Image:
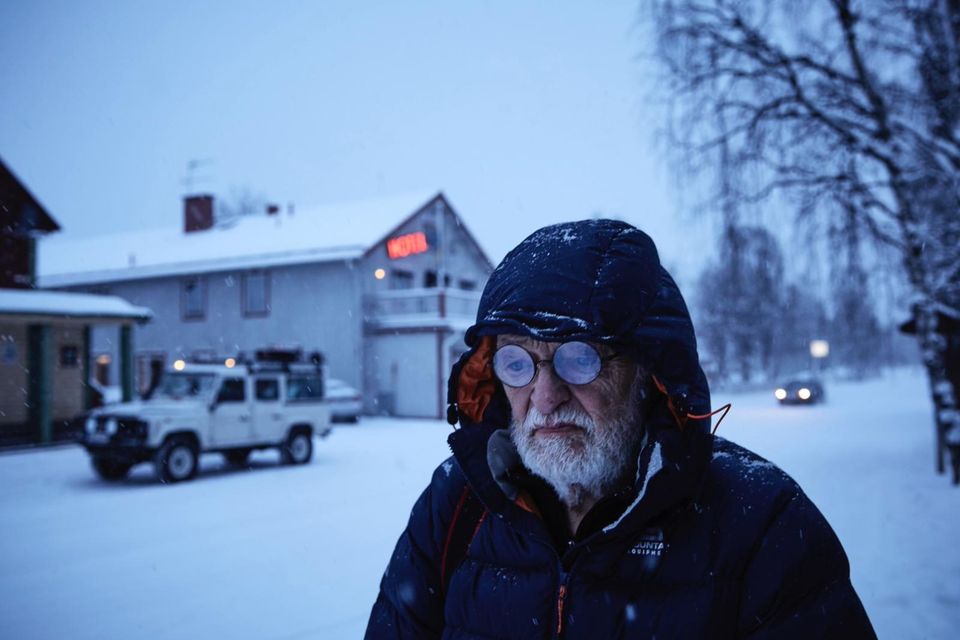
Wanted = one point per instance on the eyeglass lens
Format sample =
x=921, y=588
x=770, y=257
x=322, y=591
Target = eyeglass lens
x=573, y=362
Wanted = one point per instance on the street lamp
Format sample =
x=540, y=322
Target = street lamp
x=819, y=349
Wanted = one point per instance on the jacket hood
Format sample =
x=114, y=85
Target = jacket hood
x=596, y=280
x=599, y=281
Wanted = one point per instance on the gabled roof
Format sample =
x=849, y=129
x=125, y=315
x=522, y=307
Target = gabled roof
x=20, y=212
x=463, y=227
x=68, y=305
x=309, y=235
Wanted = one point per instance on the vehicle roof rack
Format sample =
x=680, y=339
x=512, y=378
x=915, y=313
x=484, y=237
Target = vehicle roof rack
x=276, y=354
x=284, y=360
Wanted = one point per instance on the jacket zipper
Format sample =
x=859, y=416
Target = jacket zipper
x=561, y=596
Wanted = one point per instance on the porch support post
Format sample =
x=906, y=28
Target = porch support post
x=39, y=367
x=126, y=361
x=86, y=389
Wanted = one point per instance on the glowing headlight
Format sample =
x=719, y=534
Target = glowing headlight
x=111, y=426
x=90, y=425
x=781, y=394
x=804, y=393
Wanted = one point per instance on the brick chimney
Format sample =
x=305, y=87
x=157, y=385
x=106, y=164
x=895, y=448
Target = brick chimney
x=197, y=213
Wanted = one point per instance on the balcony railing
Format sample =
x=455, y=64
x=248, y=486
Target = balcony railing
x=426, y=304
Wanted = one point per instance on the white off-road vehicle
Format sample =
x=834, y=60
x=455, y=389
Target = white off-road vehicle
x=201, y=408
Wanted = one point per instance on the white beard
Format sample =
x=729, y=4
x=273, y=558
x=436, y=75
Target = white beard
x=580, y=466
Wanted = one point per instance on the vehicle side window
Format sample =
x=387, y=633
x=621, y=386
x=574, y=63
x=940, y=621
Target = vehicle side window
x=268, y=389
x=231, y=390
x=301, y=388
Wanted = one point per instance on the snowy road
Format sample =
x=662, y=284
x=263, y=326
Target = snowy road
x=288, y=553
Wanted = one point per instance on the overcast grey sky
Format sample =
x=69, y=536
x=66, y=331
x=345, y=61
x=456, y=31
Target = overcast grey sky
x=523, y=113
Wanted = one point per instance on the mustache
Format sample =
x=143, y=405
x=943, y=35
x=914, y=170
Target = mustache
x=565, y=415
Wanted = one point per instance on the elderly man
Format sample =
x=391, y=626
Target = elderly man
x=586, y=497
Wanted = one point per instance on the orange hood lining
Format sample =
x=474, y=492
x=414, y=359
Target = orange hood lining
x=477, y=384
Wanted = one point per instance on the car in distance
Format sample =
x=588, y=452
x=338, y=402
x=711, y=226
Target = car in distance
x=343, y=400
x=800, y=391
x=230, y=408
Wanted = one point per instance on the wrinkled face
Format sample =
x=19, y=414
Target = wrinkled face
x=580, y=438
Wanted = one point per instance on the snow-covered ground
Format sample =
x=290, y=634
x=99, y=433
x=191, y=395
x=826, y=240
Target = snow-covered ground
x=285, y=553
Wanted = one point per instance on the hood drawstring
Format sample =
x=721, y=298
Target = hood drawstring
x=680, y=408
x=725, y=408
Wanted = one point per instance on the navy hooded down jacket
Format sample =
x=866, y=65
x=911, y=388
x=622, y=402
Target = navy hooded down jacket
x=710, y=541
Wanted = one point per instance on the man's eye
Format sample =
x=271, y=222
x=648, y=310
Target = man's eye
x=516, y=366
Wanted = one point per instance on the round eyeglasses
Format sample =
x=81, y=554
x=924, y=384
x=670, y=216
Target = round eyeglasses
x=573, y=362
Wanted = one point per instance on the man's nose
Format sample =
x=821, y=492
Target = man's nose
x=549, y=391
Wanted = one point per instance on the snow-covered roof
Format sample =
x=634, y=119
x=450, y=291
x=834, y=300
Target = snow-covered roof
x=28, y=302
x=315, y=234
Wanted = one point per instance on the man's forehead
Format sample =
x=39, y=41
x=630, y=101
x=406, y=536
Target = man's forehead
x=522, y=340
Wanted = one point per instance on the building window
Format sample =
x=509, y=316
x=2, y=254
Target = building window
x=430, y=279
x=400, y=279
x=69, y=356
x=101, y=370
x=193, y=299
x=8, y=352
x=468, y=285
x=256, y=294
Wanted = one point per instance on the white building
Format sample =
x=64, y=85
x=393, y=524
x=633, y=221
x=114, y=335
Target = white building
x=384, y=289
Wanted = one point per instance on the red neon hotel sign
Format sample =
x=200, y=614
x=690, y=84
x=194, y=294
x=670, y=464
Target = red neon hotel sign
x=407, y=245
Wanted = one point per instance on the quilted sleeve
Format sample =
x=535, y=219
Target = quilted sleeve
x=797, y=584
x=410, y=602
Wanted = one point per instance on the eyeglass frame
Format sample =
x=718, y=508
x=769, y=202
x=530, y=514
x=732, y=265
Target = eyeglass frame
x=536, y=364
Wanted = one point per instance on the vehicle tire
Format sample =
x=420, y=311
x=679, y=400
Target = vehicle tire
x=297, y=448
x=111, y=470
x=176, y=460
x=237, y=457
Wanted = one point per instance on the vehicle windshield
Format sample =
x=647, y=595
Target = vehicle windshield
x=178, y=386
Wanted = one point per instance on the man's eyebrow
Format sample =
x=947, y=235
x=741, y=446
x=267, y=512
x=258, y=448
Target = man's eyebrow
x=605, y=350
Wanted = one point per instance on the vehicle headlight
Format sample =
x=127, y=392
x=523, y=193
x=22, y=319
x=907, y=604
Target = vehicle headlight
x=111, y=426
x=804, y=393
x=781, y=394
x=90, y=425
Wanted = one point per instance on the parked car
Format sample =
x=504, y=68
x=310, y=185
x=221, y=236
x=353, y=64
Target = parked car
x=343, y=400
x=800, y=391
x=199, y=408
